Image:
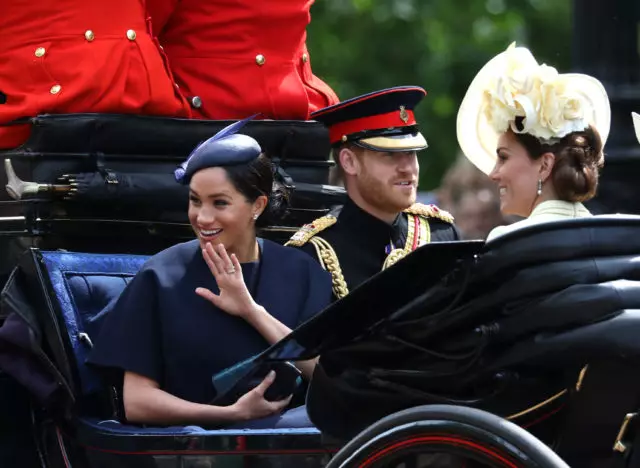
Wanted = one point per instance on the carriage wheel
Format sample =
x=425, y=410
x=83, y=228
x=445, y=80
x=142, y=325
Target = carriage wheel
x=460, y=436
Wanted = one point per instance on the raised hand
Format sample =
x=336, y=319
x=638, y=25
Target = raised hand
x=234, y=297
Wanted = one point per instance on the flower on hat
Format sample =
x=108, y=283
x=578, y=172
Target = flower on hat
x=523, y=88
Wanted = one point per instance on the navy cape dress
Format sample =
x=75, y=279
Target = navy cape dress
x=160, y=328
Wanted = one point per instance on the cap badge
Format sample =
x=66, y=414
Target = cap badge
x=404, y=116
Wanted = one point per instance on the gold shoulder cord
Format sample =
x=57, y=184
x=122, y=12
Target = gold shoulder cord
x=326, y=255
x=398, y=254
x=424, y=237
x=425, y=232
x=430, y=211
x=329, y=261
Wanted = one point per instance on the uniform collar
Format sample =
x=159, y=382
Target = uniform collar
x=366, y=226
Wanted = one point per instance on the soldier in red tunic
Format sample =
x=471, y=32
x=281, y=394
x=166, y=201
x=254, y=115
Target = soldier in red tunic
x=236, y=58
x=73, y=56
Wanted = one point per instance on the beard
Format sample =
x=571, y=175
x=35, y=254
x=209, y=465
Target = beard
x=383, y=195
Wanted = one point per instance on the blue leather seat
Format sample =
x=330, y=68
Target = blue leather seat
x=82, y=285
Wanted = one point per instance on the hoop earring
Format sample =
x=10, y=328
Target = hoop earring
x=539, y=187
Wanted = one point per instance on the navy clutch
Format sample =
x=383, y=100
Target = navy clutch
x=234, y=382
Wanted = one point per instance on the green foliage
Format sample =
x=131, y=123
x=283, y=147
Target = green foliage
x=359, y=46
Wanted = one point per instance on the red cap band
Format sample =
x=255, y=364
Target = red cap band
x=395, y=119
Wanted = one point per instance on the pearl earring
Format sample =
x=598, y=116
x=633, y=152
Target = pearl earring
x=255, y=216
x=539, y=187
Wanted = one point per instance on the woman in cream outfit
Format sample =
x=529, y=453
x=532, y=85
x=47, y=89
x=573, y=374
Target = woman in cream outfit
x=539, y=135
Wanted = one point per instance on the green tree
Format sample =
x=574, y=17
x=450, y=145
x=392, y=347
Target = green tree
x=359, y=46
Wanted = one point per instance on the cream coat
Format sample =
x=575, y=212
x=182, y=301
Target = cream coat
x=551, y=210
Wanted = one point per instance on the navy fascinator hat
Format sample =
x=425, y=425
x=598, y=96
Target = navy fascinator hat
x=225, y=148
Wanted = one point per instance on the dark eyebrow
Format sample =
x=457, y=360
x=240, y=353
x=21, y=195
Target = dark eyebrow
x=213, y=195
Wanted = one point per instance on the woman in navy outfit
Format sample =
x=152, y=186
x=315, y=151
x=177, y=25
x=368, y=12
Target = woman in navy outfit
x=205, y=305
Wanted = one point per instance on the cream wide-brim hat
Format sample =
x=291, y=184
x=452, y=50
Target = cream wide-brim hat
x=636, y=124
x=478, y=139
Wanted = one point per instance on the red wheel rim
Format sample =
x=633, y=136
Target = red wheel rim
x=446, y=440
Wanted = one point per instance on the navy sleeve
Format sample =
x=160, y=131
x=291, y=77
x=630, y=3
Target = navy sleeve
x=130, y=338
x=318, y=292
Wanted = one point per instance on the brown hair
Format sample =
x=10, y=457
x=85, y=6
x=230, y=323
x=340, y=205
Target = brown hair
x=578, y=160
x=338, y=176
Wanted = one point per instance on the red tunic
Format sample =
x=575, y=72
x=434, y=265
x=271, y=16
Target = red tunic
x=73, y=56
x=233, y=58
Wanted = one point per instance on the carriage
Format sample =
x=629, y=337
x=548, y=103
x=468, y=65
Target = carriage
x=457, y=352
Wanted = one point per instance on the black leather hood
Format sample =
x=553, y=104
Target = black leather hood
x=506, y=329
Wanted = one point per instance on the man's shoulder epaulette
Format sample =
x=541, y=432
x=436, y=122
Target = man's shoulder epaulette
x=306, y=232
x=429, y=211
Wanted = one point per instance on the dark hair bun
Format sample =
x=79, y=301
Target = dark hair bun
x=259, y=178
x=276, y=209
x=576, y=170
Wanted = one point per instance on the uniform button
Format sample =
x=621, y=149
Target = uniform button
x=305, y=58
x=40, y=51
x=196, y=102
x=260, y=59
x=89, y=36
x=131, y=35
x=55, y=89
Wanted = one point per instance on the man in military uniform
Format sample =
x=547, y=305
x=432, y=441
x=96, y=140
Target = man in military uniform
x=375, y=139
